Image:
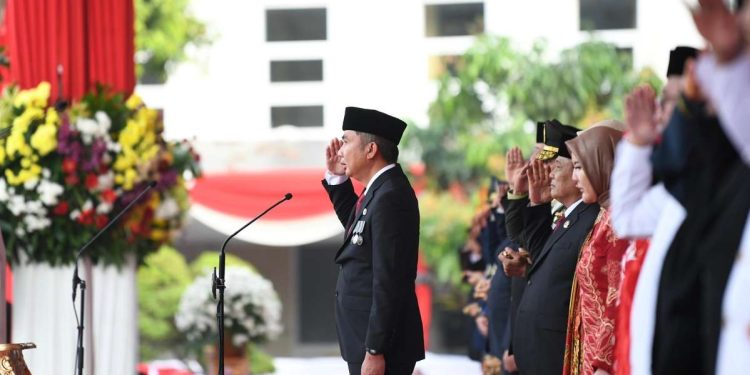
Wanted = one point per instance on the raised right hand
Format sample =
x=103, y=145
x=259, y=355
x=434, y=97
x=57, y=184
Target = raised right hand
x=539, y=182
x=333, y=161
x=640, y=121
x=515, y=170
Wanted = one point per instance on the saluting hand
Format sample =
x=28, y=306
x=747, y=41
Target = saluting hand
x=640, y=116
x=539, y=182
x=720, y=27
x=333, y=161
x=515, y=170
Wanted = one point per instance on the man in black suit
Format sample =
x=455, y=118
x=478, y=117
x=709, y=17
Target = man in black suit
x=377, y=317
x=541, y=320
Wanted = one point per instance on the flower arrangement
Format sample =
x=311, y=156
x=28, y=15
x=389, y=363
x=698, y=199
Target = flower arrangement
x=252, y=310
x=67, y=172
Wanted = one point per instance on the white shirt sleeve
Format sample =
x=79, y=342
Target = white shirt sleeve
x=728, y=86
x=635, y=205
x=334, y=179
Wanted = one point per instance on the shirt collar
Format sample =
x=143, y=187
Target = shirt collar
x=377, y=174
x=572, y=207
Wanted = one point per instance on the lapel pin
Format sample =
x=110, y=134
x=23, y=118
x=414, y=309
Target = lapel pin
x=364, y=212
x=566, y=224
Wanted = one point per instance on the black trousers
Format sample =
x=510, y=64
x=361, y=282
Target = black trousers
x=390, y=369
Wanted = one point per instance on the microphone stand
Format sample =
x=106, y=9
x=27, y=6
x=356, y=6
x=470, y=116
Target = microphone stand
x=77, y=281
x=218, y=282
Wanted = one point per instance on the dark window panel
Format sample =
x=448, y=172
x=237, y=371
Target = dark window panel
x=454, y=19
x=316, y=277
x=296, y=70
x=607, y=14
x=301, y=116
x=296, y=24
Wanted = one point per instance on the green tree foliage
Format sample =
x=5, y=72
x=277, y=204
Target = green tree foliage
x=163, y=29
x=489, y=103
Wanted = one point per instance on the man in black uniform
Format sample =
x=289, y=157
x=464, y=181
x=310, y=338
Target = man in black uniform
x=541, y=320
x=377, y=317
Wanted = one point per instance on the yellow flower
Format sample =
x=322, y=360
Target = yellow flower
x=133, y=102
x=44, y=139
x=36, y=97
x=33, y=172
x=158, y=235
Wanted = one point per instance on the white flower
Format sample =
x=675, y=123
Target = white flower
x=167, y=209
x=251, y=307
x=87, y=205
x=16, y=205
x=34, y=223
x=75, y=214
x=88, y=128
x=4, y=194
x=104, y=122
x=106, y=181
x=103, y=208
x=49, y=192
x=30, y=184
x=20, y=232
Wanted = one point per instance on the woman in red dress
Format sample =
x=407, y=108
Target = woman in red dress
x=590, y=339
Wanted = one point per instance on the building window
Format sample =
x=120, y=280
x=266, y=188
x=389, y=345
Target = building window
x=439, y=65
x=300, y=116
x=454, y=19
x=296, y=70
x=607, y=14
x=295, y=24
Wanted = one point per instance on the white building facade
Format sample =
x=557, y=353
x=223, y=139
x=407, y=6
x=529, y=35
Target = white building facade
x=301, y=62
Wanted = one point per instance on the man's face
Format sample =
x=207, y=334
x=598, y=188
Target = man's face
x=353, y=154
x=562, y=187
x=670, y=94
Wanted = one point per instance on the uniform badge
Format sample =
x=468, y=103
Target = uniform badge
x=566, y=224
x=357, y=238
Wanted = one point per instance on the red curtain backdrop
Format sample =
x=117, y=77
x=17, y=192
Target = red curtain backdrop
x=93, y=40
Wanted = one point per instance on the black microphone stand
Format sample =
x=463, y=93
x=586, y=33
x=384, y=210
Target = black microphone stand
x=218, y=282
x=77, y=281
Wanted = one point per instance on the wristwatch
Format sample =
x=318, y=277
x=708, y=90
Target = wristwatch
x=372, y=351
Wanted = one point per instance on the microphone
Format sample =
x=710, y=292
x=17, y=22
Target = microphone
x=218, y=282
x=78, y=282
x=287, y=196
x=76, y=279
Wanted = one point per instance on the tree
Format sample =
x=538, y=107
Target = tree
x=163, y=29
x=489, y=103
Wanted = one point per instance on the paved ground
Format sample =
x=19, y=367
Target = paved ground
x=434, y=364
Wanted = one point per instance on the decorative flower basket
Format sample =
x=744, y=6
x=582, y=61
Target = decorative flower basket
x=68, y=171
x=252, y=313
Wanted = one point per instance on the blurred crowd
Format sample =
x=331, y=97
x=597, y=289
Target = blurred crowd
x=624, y=248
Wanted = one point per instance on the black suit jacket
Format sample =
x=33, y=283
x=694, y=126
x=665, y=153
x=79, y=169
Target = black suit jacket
x=376, y=305
x=541, y=321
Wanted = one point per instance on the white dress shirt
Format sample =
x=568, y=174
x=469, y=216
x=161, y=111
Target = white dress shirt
x=636, y=206
x=640, y=210
x=734, y=342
